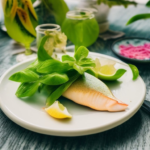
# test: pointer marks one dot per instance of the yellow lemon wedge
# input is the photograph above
(57, 110)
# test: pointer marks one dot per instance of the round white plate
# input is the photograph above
(30, 115)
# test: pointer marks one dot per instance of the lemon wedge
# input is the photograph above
(57, 110)
(107, 71)
(104, 68)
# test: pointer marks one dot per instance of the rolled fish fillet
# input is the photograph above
(92, 92)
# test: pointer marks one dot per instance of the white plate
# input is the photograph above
(29, 113)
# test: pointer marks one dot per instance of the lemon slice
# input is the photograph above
(57, 110)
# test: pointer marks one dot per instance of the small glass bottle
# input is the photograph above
(56, 39)
(40, 30)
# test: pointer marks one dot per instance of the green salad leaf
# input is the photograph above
(82, 52)
(54, 79)
(68, 59)
(25, 75)
(86, 61)
(52, 65)
(79, 69)
(83, 68)
(27, 89)
(42, 52)
(34, 65)
(41, 87)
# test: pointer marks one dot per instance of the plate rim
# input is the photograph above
(79, 132)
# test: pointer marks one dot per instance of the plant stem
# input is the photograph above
(28, 50)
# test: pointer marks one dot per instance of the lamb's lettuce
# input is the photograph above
(54, 79)
(27, 89)
(52, 65)
(25, 75)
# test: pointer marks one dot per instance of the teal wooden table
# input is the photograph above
(131, 135)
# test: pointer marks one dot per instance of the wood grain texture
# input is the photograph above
(131, 135)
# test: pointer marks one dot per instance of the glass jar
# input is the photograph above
(81, 27)
(40, 30)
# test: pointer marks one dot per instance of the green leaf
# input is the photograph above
(42, 53)
(25, 75)
(81, 53)
(70, 73)
(27, 89)
(59, 9)
(34, 65)
(68, 59)
(119, 73)
(41, 87)
(81, 32)
(148, 4)
(82, 68)
(86, 61)
(52, 65)
(54, 79)
(79, 69)
(51, 89)
(135, 71)
(138, 17)
(88, 65)
(60, 90)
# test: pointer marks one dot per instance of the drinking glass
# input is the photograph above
(81, 27)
